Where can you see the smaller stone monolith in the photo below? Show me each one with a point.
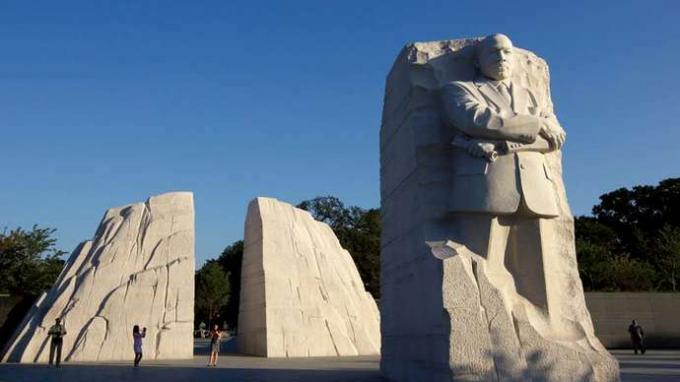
(301, 293)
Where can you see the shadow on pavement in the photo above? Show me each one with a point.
(648, 365)
(168, 373)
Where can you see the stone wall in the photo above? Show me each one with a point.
(658, 313)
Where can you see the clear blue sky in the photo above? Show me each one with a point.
(104, 103)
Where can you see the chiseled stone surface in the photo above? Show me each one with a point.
(301, 293)
(138, 269)
(496, 295)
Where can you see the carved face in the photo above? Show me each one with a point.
(494, 57)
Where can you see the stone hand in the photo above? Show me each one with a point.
(555, 137)
(480, 150)
(475, 148)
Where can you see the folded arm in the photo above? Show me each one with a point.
(463, 110)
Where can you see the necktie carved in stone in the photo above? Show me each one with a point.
(505, 92)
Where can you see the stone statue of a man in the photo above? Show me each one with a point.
(498, 201)
(479, 280)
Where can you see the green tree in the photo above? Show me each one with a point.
(358, 231)
(639, 213)
(29, 260)
(212, 291)
(668, 255)
(603, 263)
(596, 245)
(230, 261)
(623, 273)
(363, 243)
(631, 236)
(592, 260)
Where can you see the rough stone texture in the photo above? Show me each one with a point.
(138, 269)
(444, 316)
(301, 294)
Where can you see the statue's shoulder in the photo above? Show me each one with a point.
(460, 87)
(459, 84)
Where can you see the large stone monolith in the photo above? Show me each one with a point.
(137, 270)
(301, 294)
(479, 280)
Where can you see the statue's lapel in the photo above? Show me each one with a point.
(519, 99)
(523, 100)
(491, 94)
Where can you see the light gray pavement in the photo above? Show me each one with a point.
(655, 366)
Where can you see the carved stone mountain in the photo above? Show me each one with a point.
(301, 293)
(445, 313)
(138, 270)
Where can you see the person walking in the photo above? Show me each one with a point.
(57, 332)
(637, 336)
(215, 341)
(137, 343)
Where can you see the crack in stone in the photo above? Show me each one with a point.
(106, 335)
(330, 335)
(475, 272)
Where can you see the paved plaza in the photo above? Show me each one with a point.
(655, 366)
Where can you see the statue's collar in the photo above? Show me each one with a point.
(481, 80)
(491, 90)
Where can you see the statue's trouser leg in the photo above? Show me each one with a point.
(524, 260)
(513, 247)
(487, 236)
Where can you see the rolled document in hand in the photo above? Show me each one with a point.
(488, 148)
(492, 149)
(539, 145)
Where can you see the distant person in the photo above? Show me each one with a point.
(215, 340)
(637, 336)
(57, 332)
(137, 343)
(201, 329)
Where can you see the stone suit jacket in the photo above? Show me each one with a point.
(478, 110)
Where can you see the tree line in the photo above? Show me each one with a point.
(29, 264)
(631, 242)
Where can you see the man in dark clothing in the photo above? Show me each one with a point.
(637, 336)
(57, 332)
